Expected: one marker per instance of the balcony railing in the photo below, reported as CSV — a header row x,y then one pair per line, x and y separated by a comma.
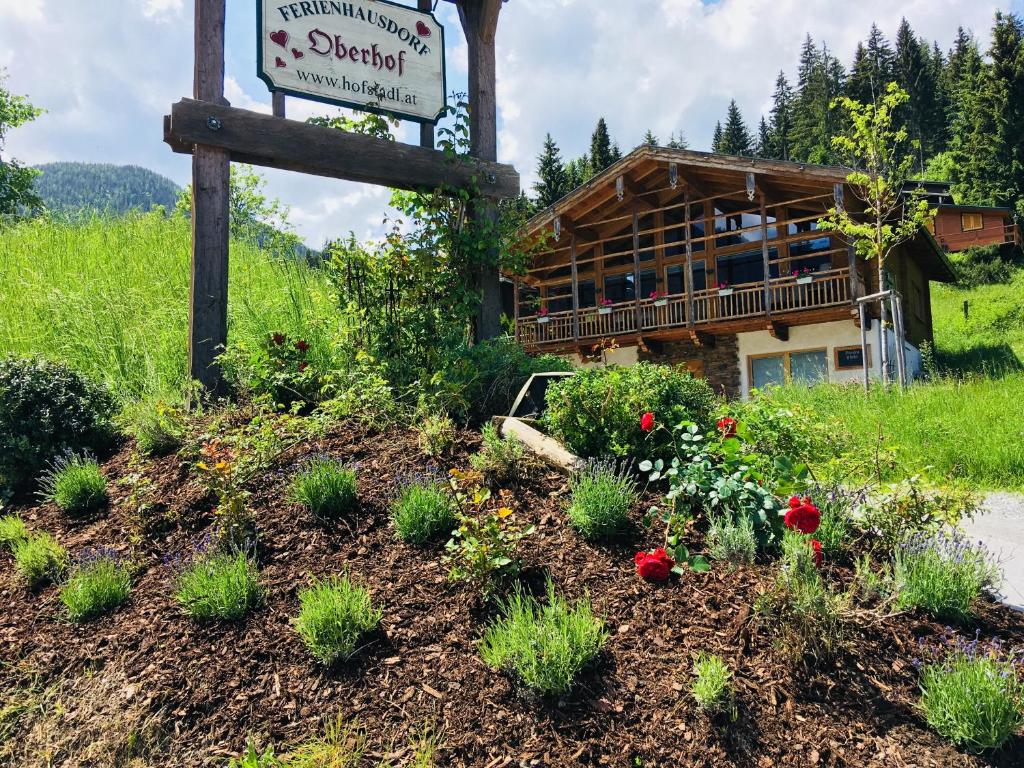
x,y
785,295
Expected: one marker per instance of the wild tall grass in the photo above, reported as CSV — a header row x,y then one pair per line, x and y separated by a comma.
x,y
967,429
109,296
990,339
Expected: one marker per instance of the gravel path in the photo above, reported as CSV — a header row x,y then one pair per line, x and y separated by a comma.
x,y
1001,528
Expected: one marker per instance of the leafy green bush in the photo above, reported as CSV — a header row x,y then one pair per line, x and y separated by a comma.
x,y
12,531
500,459
99,583
158,427
973,698
732,540
436,434
771,429
281,369
712,684
597,411
326,489
39,559
602,493
544,645
942,574
46,409
219,585
75,484
335,614
984,265
904,509
423,511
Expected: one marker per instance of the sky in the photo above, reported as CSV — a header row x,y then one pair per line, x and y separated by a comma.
x,y
106,72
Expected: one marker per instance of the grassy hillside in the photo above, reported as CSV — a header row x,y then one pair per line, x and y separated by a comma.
x,y
110,297
991,338
103,188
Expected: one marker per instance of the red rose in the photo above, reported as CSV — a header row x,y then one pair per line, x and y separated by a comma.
x,y
278,339
303,366
804,518
647,422
301,345
794,502
653,566
727,426
818,557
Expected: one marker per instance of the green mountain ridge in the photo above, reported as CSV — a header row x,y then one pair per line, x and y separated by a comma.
x,y
73,187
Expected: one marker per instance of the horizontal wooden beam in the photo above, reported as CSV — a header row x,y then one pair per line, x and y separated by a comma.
x,y
265,140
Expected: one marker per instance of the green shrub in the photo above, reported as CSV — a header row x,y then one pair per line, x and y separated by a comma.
x,y
436,434
773,430
253,757
335,614
158,427
914,506
75,484
219,585
544,645
985,265
12,531
836,528
46,409
942,574
712,684
326,489
974,699
500,459
99,583
423,511
732,540
602,494
597,412
39,559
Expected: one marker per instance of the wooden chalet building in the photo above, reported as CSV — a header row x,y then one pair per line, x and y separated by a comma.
x,y
717,263
959,227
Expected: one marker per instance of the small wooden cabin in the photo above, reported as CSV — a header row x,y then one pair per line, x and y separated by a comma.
x,y
959,227
714,262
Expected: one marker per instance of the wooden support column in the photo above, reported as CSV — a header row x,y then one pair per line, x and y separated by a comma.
x,y
515,307
689,260
575,290
851,258
208,287
480,21
277,100
636,268
426,129
765,259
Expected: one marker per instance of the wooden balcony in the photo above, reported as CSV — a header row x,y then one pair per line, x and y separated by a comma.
x,y
751,306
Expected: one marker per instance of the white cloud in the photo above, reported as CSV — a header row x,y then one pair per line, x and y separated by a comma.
x,y
668,65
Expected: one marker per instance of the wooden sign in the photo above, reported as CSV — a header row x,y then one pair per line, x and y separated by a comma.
x,y
371,55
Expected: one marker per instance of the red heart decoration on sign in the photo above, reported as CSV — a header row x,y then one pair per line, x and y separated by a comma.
x,y
422,29
297,53
280,37
280,62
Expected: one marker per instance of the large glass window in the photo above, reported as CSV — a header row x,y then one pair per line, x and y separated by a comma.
x,y
675,240
645,241
808,367
560,296
623,247
810,225
676,275
812,254
729,224
746,267
620,287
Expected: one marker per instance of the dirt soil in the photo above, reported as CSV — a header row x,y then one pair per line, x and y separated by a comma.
x,y
148,686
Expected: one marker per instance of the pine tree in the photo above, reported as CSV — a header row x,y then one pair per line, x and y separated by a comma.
x,y
616,152
553,182
677,142
601,147
716,139
782,118
736,139
872,68
913,71
650,139
764,140
815,118
578,171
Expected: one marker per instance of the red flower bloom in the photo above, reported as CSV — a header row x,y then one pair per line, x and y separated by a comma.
x,y
647,422
818,557
278,339
653,566
303,366
301,345
794,502
803,517
727,426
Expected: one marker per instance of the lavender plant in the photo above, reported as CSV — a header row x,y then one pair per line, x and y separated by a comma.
x,y
942,573
99,583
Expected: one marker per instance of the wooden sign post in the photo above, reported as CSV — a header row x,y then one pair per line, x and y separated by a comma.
x,y
215,134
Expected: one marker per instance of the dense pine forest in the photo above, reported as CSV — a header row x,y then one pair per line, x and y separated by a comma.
x,y
116,189
965,114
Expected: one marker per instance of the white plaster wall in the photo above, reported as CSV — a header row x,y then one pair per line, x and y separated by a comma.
x,y
841,333
617,356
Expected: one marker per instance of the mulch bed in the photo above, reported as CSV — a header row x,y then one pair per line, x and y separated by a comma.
x,y
214,684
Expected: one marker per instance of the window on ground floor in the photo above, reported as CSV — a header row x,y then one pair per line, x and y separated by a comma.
x,y
971,221
805,367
